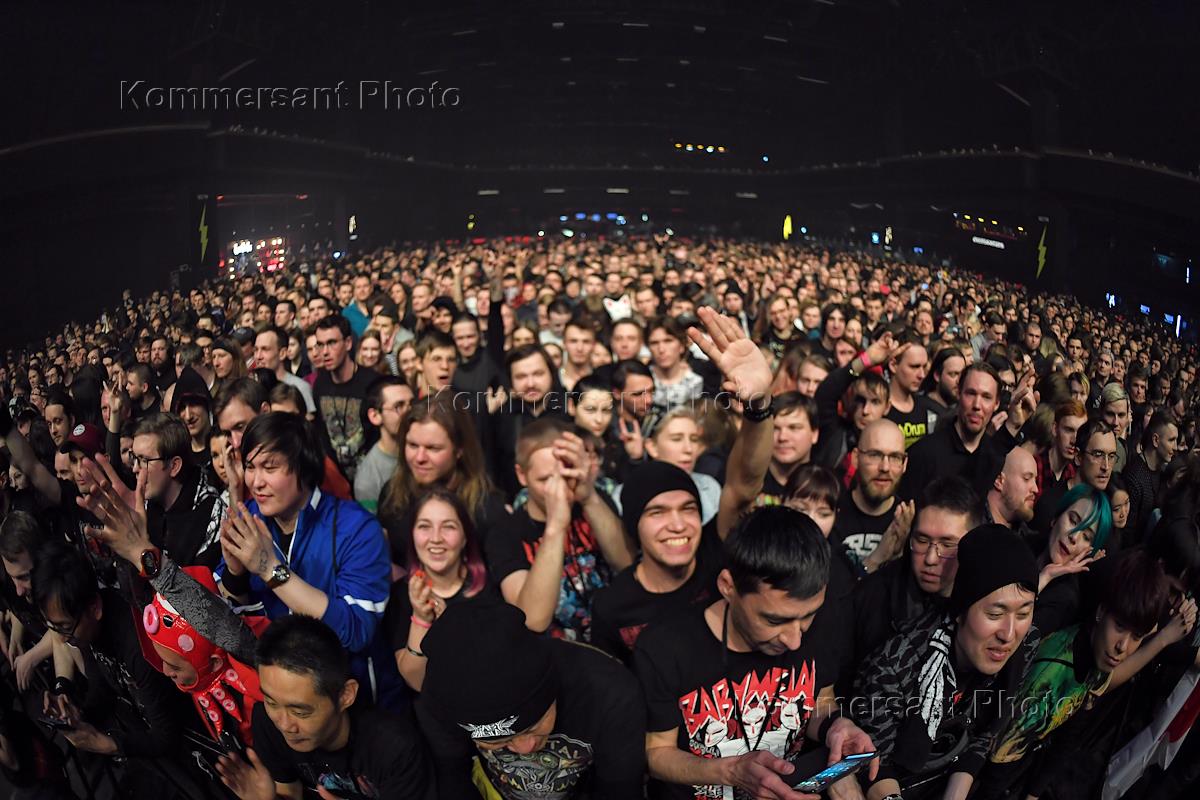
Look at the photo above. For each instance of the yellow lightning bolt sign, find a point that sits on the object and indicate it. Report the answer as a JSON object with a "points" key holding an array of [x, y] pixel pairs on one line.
{"points": [[787, 227], [203, 232], [1042, 252]]}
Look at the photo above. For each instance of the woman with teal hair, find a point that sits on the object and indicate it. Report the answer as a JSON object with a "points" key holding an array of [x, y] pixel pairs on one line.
{"points": [[1082, 524]]}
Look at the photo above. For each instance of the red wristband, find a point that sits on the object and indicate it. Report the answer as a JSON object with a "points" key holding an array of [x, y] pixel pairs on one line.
{"points": [[420, 623]]}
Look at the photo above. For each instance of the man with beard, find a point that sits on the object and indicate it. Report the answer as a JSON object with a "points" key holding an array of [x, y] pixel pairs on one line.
{"points": [[942, 383], [963, 447], [162, 363], [1013, 494], [867, 510]]}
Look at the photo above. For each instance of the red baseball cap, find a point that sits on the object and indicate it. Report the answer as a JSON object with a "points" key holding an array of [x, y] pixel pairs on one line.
{"points": [[86, 437]]}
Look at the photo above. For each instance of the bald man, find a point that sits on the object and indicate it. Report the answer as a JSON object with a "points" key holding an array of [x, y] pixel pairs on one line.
{"points": [[866, 511], [1014, 492]]}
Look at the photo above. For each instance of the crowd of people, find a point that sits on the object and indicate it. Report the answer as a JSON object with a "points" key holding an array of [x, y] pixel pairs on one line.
{"points": [[656, 517]]}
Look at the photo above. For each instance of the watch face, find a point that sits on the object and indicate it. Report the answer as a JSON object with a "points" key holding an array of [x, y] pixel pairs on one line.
{"points": [[150, 562]]}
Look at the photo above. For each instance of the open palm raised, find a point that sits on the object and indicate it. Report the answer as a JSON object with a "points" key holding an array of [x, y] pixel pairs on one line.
{"points": [[742, 364]]}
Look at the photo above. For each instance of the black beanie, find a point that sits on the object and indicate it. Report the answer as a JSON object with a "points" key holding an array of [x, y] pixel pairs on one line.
{"points": [[487, 672], [990, 557], [647, 482]]}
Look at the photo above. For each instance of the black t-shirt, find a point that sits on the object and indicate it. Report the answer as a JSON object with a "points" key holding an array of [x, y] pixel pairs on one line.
{"points": [[384, 758], [694, 684], [513, 545], [397, 620], [860, 532], [340, 406], [623, 609], [917, 423], [597, 749]]}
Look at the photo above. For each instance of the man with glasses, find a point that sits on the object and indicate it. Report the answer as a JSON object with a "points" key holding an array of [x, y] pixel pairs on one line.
{"points": [[178, 501], [868, 509], [131, 710], [339, 391], [908, 587]]}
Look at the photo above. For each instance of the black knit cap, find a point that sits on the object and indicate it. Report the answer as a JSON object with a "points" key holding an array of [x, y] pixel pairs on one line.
{"points": [[647, 482], [989, 558], [487, 672]]}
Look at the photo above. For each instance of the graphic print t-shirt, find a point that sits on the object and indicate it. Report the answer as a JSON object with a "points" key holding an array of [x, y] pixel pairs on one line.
{"points": [[384, 758], [717, 699], [340, 406], [861, 533], [917, 423], [513, 545]]}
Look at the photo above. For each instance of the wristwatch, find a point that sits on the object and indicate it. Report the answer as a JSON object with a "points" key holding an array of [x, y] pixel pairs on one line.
{"points": [[279, 576], [150, 562]]}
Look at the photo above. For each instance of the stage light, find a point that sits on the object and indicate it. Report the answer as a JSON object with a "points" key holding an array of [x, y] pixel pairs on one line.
{"points": [[679, 145], [721, 149], [765, 159], [541, 233], [710, 148], [567, 232], [874, 237], [580, 215], [670, 232], [688, 148], [645, 217], [562, 217], [804, 230]]}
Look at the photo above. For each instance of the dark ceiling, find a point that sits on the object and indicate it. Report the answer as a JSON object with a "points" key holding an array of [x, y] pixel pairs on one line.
{"points": [[617, 83]]}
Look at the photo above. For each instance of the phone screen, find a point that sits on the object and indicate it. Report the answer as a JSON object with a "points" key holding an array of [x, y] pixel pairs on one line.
{"points": [[834, 772]]}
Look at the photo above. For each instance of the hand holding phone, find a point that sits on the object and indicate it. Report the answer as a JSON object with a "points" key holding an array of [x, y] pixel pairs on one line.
{"points": [[818, 783]]}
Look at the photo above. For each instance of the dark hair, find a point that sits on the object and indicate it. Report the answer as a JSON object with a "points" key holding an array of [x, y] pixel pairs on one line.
{"points": [[813, 482], [1156, 426], [1135, 593], [588, 383], [282, 393], [281, 336], [141, 373], [189, 355], [20, 533], [1089, 429], [624, 369], [247, 390], [290, 436], [334, 321], [59, 397], [952, 493], [669, 326], [174, 441], [472, 554], [791, 402], [779, 547], [528, 351], [979, 366], [434, 340], [306, 646], [62, 574], [374, 397]]}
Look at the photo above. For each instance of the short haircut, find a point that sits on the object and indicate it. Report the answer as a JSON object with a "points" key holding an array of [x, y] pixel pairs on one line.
{"points": [[141, 373], [528, 351], [630, 366], [871, 383], [589, 383], [1089, 429], [780, 547], [433, 340], [306, 646], [1135, 593], [952, 493], [62, 574], [247, 390], [190, 355], [281, 336], [540, 434], [559, 306], [814, 483], [282, 393], [335, 321], [1157, 426], [374, 396], [669, 326], [1071, 408], [293, 438], [20, 533], [791, 402], [1113, 393], [174, 441]]}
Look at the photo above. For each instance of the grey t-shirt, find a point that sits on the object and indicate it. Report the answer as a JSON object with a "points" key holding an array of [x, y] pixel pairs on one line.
{"points": [[305, 390], [373, 473]]}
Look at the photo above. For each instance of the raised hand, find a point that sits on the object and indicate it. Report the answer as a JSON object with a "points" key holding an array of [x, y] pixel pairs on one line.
{"points": [[1078, 564], [558, 505], [576, 464], [1183, 620], [421, 597], [891, 546], [884, 349], [234, 472], [631, 436], [250, 781], [727, 346], [122, 513]]}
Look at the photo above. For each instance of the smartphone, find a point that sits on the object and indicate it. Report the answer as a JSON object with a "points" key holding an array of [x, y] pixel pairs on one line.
{"points": [[831, 774]]}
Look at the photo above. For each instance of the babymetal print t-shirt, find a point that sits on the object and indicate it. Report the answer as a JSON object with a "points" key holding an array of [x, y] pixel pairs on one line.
{"points": [[725, 703], [513, 545]]}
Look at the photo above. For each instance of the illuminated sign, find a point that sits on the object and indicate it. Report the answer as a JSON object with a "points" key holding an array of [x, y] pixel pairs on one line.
{"points": [[242, 247], [983, 240]]}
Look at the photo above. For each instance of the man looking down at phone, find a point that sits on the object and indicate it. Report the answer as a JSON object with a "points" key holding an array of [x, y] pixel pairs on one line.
{"points": [[733, 689], [959, 662]]}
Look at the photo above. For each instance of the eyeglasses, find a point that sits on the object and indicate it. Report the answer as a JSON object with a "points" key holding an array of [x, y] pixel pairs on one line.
{"points": [[66, 633], [142, 461], [324, 345], [878, 457], [1100, 455], [921, 543]]}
